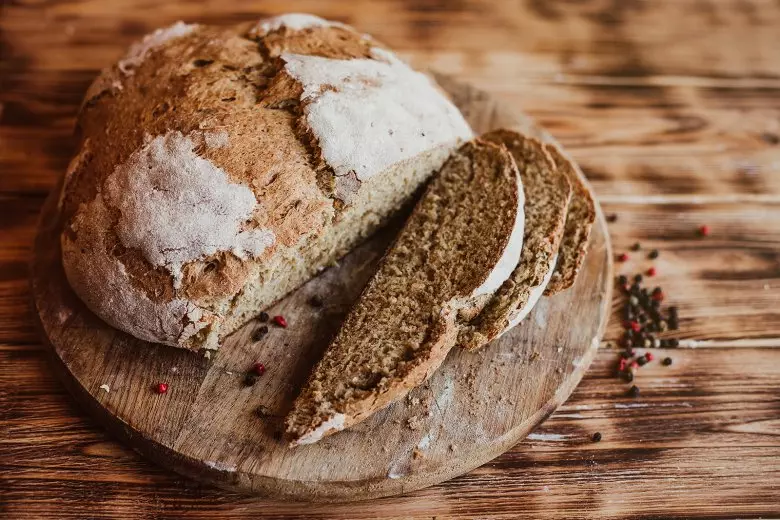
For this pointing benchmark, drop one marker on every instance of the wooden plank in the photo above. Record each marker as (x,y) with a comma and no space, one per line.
(723,38)
(732,278)
(702,433)
(703,119)
(726,285)
(624,141)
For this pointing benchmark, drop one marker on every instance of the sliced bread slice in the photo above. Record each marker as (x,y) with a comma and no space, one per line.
(579,221)
(547,192)
(460,243)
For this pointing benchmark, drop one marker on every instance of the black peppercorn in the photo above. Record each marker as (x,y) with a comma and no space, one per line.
(638,278)
(264,316)
(636,247)
(667,361)
(596,437)
(622,279)
(260,333)
(674,342)
(653,254)
(633,391)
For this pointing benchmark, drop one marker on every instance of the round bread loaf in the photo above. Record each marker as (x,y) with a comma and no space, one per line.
(220,168)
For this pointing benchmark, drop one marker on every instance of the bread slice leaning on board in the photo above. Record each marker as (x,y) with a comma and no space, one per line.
(220,168)
(460,244)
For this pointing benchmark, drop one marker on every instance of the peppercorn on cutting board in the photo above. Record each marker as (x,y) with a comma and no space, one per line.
(214,427)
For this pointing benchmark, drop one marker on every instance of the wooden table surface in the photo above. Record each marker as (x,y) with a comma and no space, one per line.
(672,107)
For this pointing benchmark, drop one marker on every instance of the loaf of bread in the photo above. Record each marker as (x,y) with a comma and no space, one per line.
(460,244)
(220,168)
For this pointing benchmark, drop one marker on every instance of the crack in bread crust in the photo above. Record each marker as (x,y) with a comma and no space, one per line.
(231,88)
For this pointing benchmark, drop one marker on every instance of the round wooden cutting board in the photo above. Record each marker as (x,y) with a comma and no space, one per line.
(211,426)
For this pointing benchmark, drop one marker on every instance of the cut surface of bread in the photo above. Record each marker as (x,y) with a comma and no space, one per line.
(221,168)
(579,221)
(547,193)
(460,243)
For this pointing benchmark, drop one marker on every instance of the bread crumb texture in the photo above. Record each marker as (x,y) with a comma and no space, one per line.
(220,169)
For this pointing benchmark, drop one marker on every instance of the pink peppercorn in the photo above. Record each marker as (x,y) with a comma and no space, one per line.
(279,320)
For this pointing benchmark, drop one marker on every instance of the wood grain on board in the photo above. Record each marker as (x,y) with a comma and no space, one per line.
(670,106)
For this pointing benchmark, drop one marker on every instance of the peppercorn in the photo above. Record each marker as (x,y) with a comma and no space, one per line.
(648,343)
(161,388)
(674,342)
(651,272)
(673,310)
(622,279)
(628,375)
(596,437)
(622,257)
(638,278)
(656,343)
(633,301)
(250,379)
(636,247)
(258,368)
(641,361)
(653,254)
(625,355)
(667,361)
(649,356)
(264,316)
(260,333)
(633,391)
(704,230)
(279,320)
(662,325)
(612,217)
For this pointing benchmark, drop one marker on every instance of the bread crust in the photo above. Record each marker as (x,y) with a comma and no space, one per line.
(203,177)
(579,222)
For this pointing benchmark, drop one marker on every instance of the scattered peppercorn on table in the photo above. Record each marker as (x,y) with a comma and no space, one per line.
(672,109)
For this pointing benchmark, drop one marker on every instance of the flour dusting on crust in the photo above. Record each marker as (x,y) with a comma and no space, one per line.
(176,207)
(369,114)
(139,50)
(292,21)
(106,286)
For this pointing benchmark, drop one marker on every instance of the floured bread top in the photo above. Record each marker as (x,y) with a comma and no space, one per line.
(349,103)
(212,156)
